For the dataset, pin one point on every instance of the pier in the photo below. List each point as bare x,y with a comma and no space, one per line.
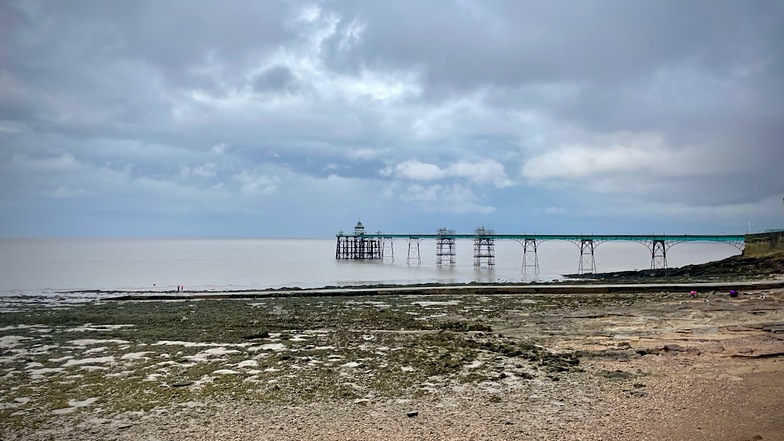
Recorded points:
361,245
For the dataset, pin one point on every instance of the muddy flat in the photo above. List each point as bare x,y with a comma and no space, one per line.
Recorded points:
625,365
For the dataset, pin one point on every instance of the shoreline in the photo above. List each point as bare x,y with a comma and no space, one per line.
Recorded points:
742,272
466,289
735,272
472,288
419,364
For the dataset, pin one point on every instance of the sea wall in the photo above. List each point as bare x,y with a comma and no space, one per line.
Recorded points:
764,243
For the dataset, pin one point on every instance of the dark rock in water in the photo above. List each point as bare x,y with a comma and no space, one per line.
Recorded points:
647,351
525,375
263,334
616,375
773,328
613,354
183,383
673,348
412,414
463,326
452,363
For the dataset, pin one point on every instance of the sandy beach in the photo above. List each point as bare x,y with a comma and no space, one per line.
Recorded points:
586,366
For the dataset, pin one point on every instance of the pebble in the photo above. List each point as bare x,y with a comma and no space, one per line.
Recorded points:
638,393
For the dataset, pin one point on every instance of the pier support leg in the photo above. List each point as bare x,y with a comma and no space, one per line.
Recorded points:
587,259
413,251
530,256
658,254
445,247
484,248
387,249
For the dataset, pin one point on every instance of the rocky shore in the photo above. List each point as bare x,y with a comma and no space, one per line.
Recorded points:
647,365
735,268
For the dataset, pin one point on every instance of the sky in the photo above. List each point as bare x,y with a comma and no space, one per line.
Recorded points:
297,119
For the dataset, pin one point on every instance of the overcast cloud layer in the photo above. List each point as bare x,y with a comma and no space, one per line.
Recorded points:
295,119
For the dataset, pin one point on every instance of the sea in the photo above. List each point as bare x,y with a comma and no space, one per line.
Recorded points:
41,267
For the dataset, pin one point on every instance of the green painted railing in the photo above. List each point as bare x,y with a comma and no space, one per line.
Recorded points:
728,238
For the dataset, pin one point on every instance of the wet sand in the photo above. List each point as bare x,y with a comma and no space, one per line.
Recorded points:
445,365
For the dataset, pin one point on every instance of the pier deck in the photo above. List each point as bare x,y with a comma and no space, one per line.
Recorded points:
361,245
728,238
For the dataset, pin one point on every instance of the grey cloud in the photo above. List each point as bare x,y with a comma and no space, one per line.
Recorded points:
169,35
139,93
128,60
509,43
275,79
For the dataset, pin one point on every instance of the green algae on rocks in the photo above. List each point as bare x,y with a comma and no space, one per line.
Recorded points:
128,356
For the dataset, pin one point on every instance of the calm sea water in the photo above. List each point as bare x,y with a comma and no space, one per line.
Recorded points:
41,266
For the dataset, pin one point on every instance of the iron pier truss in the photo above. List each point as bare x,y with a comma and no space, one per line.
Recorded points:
360,245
